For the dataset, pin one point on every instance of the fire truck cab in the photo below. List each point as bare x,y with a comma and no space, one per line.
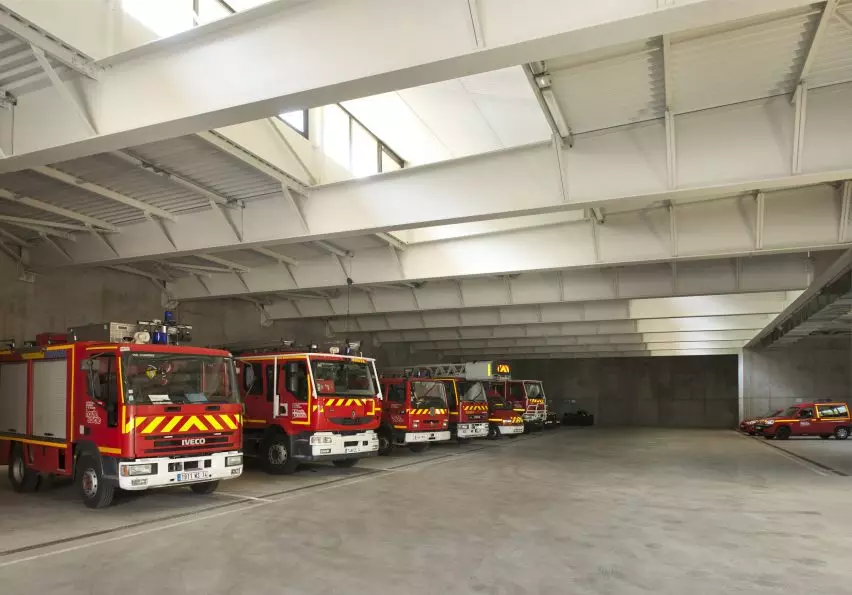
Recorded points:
525,397
414,413
116,414
308,407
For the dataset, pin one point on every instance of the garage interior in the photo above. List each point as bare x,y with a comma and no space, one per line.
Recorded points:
645,206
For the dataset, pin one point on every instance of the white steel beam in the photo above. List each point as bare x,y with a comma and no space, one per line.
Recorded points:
845,204
846,21
42,223
63,91
42,230
139,273
12,237
32,34
280,258
536,334
56,210
214,88
225,263
787,222
616,170
146,208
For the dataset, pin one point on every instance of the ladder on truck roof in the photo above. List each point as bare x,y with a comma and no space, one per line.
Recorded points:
431,370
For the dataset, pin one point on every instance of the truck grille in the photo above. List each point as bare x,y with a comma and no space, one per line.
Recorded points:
200,443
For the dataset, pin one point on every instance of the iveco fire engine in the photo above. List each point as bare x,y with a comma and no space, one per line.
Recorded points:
414,413
466,400
108,407
471,378
307,406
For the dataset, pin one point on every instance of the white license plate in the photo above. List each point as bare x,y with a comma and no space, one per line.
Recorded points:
194,475
432,437
350,449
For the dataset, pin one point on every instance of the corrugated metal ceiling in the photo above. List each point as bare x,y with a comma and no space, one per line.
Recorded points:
740,64
197,160
833,62
610,92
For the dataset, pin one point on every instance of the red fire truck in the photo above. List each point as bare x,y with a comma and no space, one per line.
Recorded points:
466,400
414,413
306,406
476,408
525,397
116,414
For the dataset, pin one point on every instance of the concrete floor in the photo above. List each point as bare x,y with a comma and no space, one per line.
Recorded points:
577,511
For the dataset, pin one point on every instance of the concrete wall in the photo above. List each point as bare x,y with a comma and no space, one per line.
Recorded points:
776,378
59,300
686,391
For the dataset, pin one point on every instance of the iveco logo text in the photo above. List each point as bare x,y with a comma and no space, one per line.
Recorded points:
193,441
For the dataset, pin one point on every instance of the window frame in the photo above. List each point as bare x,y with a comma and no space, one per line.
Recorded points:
381,146
307,117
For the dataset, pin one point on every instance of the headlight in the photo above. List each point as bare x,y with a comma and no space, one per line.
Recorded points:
415,423
233,460
769,422
445,423
141,469
317,440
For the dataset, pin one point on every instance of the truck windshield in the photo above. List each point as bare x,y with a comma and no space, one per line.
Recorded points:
534,390
347,378
471,391
154,378
426,395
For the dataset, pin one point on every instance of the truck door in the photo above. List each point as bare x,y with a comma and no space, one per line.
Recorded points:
806,422
517,398
293,390
101,405
396,413
258,407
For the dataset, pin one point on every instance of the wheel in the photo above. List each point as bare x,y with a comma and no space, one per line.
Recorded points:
94,489
420,447
783,433
385,443
22,478
825,436
276,455
463,440
769,436
841,433
345,463
511,436
493,432
208,487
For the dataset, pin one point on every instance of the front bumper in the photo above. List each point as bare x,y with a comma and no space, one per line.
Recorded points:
336,446
506,430
472,430
186,470
414,437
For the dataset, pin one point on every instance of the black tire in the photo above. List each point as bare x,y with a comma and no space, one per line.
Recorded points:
783,433
94,489
512,436
276,455
208,487
419,447
841,433
463,440
493,431
22,478
825,436
345,463
385,442
769,436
